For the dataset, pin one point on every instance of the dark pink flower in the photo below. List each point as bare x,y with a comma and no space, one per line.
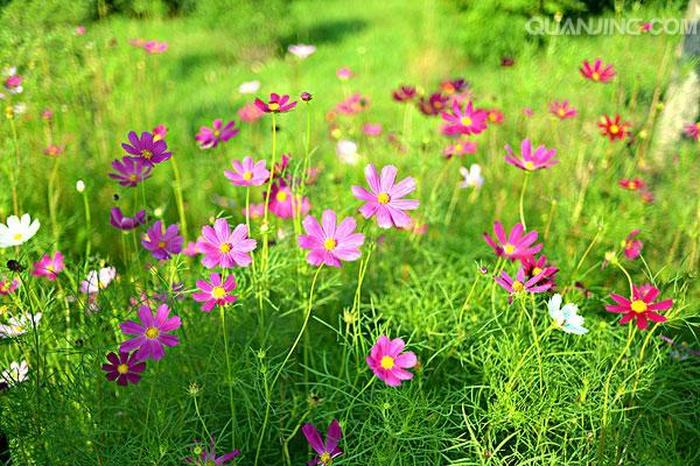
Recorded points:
120,222
385,198
326,451
388,361
514,246
598,72
149,151
225,248
159,132
163,242
284,204
632,246
8,286
562,110
434,104
521,284
49,266
130,171
276,104
467,121
404,94
641,307
692,131
124,368
152,334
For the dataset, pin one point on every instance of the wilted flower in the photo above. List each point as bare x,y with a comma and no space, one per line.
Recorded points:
17,231
388,361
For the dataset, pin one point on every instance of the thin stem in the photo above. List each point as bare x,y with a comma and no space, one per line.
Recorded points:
177,186
88,223
15,200
266,208
522,198
229,381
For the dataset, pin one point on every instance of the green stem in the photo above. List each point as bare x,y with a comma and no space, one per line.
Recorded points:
522,198
178,197
266,207
229,381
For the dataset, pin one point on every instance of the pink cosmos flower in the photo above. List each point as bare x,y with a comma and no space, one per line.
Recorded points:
372,129
80,30
120,222
539,267
250,113
49,266
152,334
155,47
642,307
159,132
459,148
692,131
254,210
353,105
529,161
163,243
562,110
516,245
326,451
191,249
8,286
404,94
632,246
284,204
599,72
494,116
208,138
247,172
467,121
614,128
124,368
130,171
521,284
329,244
225,248
276,104
344,73
635,184
54,150
215,292
385,198
389,363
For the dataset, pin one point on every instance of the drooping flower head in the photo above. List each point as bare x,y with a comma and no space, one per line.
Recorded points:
120,222
514,246
385,197
329,243
459,148
125,368
130,171
247,172
284,204
208,138
215,292
225,248
388,361
302,51
531,159
566,317
632,246
163,242
49,266
472,177
276,104
98,280
152,334
562,110
404,94
614,129
149,151
598,72
467,121
642,307
16,231
208,457
326,451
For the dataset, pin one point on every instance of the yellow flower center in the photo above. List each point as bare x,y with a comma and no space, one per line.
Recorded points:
508,248
326,458
561,112
529,165
217,133
146,154
466,121
614,129
458,147
161,244
330,244
638,306
536,271
248,175
492,117
152,333
218,292
17,237
281,196
383,198
133,177
697,125
387,362
225,248
122,368
274,106
595,76
517,286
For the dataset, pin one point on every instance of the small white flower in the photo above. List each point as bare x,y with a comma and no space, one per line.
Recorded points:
17,373
80,186
97,281
20,108
249,87
347,152
302,51
566,317
19,325
472,177
9,71
17,231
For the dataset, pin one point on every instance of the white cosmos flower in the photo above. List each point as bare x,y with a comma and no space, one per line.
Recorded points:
97,281
17,230
249,87
17,373
347,152
19,325
566,317
302,51
472,177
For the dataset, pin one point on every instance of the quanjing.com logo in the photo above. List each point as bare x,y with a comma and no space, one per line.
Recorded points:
542,26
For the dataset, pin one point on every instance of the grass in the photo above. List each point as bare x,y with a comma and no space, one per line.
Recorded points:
495,385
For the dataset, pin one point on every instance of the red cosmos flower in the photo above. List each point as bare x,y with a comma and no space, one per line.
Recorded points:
562,110
635,184
632,247
642,306
453,86
54,150
433,105
404,93
614,129
494,116
599,72
276,104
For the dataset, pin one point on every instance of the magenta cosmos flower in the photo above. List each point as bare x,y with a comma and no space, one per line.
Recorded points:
529,160
152,334
163,242
284,204
516,245
215,292
330,243
326,451
459,148
208,138
433,105
467,121
49,266
247,172
130,172
562,110
538,266
521,283
160,132
124,368
146,148
404,93
8,286
598,72
389,363
692,130
225,248
120,222
641,308
276,104
344,73
372,129
385,198
632,246
208,456
155,47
